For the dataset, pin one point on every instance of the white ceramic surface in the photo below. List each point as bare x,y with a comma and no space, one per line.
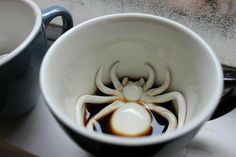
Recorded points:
70,66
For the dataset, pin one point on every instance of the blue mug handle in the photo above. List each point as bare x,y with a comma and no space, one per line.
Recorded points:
50,13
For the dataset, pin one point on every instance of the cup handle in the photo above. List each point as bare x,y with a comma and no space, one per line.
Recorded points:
50,13
228,100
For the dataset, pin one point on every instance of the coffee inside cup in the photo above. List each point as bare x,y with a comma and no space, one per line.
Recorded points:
133,107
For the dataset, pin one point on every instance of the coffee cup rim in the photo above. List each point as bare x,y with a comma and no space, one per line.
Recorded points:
31,35
195,124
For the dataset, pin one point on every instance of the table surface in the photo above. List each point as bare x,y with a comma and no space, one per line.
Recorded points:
39,133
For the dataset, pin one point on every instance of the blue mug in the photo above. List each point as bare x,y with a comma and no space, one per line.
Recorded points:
23,43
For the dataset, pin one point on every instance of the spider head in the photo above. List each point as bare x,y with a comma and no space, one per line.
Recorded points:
132,91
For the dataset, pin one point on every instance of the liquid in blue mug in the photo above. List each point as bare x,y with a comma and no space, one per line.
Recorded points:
23,44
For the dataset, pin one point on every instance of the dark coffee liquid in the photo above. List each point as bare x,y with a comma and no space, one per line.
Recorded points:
159,123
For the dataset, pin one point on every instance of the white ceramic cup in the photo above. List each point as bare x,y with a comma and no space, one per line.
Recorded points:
71,64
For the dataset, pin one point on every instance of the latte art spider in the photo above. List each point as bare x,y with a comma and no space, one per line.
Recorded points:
131,103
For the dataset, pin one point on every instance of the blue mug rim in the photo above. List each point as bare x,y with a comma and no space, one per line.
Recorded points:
37,25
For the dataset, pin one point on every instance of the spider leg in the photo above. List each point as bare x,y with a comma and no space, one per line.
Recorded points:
141,81
162,88
151,78
104,88
179,104
105,111
114,77
166,114
125,81
80,105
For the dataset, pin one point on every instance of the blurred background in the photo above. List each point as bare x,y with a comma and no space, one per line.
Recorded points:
213,20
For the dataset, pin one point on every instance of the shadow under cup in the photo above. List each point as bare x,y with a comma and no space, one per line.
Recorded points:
71,64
